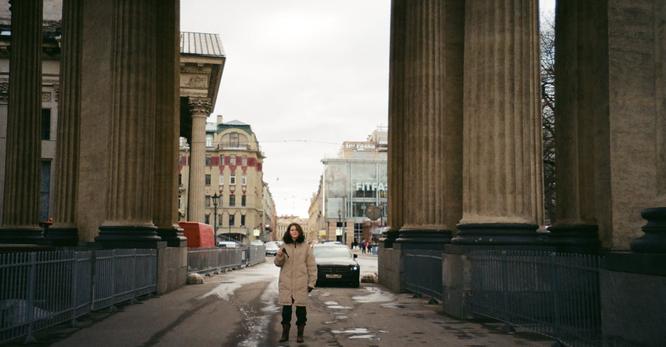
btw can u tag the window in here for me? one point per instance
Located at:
(232, 179)
(232, 160)
(46, 124)
(244, 161)
(180, 179)
(232, 200)
(244, 180)
(207, 180)
(234, 140)
(208, 201)
(209, 140)
(221, 179)
(243, 200)
(44, 189)
(242, 220)
(232, 220)
(207, 219)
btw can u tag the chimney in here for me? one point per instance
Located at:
(219, 119)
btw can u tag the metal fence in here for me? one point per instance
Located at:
(207, 260)
(122, 275)
(554, 294)
(256, 255)
(42, 289)
(204, 260)
(427, 280)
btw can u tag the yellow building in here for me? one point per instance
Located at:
(234, 186)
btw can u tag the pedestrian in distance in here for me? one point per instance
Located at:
(298, 276)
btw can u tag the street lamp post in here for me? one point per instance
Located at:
(216, 200)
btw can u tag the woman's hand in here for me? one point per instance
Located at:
(279, 252)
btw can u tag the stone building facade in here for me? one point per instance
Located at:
(232, 174)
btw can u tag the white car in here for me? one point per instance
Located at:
(227, 244)
(272, 248)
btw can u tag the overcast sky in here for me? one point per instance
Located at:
(305, 74)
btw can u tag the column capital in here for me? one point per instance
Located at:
(200, 106)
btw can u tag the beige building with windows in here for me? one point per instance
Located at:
(233, 181)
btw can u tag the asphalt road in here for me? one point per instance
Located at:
(239, 309)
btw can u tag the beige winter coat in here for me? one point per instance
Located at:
(298, 272)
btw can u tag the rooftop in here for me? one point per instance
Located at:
(205, 44)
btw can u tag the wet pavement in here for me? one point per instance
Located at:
(239, 309)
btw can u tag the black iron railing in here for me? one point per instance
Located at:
(554, 294)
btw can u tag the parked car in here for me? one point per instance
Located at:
(257, 243)
(271, 247)
(336, 265)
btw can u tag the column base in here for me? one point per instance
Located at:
(390, 237)
(65, 235)
(16, 234)
(498, 234)
(173, 236)
(415, 235)
(574, 237)
(128, 236)
(654, 240)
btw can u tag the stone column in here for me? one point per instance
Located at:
(168, 127)
(396, 125)
(129, 212)
(654, 240)
(581, 102)
(21, 194)
(200, 108)
(430, 108)
(64, 231)
(502, 191)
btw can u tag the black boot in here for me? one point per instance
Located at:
(299, 337)
(285, 332)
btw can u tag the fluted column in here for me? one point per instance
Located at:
(502, 196)
(168, 126)
(200, 108)
(21, 193)
(654, 239)
(396, 203)
(64, 231)
(579, 99)
(129, 213)
(431, 115)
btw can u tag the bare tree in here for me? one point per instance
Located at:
(548, 114)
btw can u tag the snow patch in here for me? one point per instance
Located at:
(330, 303)
(339, 307)
(370, 336)
(351, 331)
(233, 280)
(376, 295)
(392, 305)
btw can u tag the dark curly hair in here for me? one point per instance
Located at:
(287, 236)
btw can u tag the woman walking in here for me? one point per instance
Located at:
(298, 276)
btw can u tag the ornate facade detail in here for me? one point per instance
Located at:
(199, 81)
(200, 106)
(46, 96)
